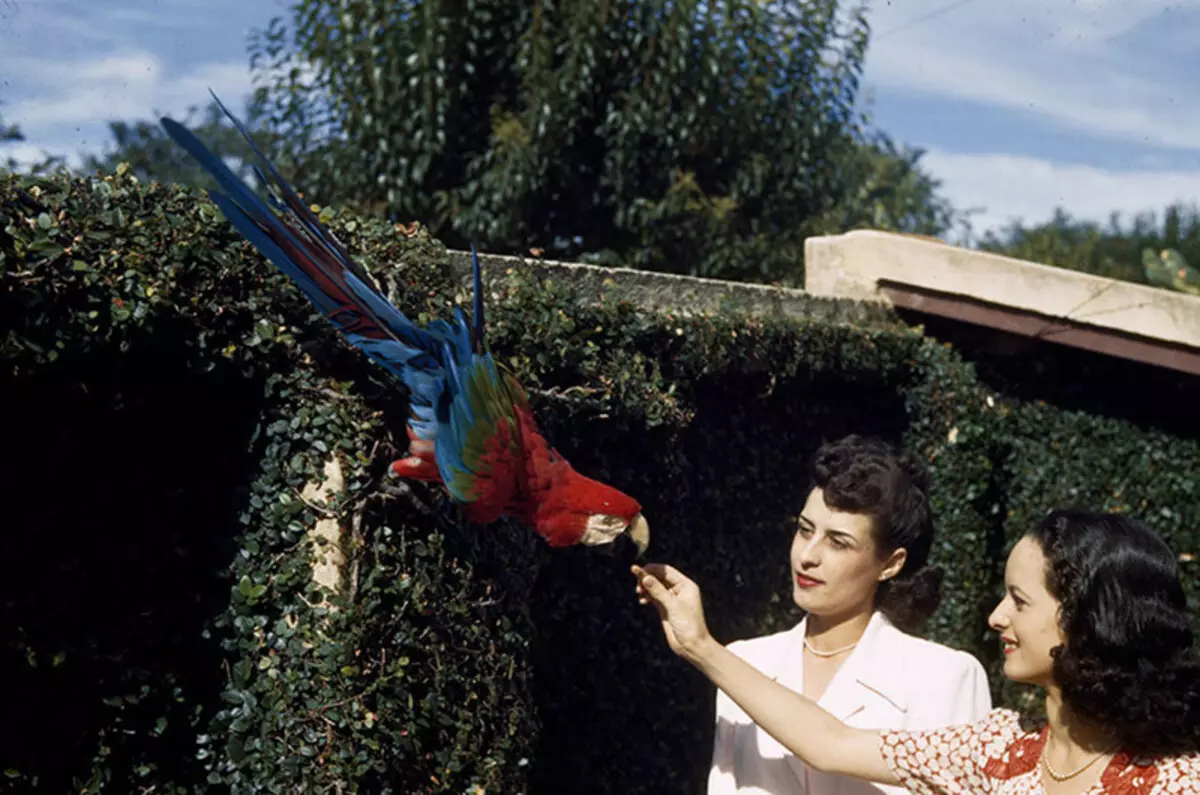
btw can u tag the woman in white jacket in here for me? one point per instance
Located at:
(860, 574)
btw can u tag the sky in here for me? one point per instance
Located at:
(1022, 106)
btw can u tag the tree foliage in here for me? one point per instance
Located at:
(1117, 249)
(705, 138)
(888, 189)
(9, 133)
(708, 138)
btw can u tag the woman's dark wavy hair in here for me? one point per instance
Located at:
(1129, 663)
(866, 475)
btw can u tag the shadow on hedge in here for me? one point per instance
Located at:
(1073, 379)
(124, 477)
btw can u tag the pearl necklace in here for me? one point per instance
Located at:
(808, 645)
(1054, 774)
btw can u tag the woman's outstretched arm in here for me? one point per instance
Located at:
(812, 734)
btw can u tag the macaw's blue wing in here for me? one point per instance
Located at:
(445, 367)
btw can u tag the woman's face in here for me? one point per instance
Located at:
(1028, 617)
(835, 566)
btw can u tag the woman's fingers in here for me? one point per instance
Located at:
(665, 573)
(650, 585)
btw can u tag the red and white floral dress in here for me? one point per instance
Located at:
(997, 757)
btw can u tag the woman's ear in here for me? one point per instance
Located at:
(895, 563)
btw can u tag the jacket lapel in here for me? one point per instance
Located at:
(871, 677)
(871, 672)
(789, 665)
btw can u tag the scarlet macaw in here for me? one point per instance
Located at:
(470, 426)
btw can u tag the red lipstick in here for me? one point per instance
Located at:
(804, 581)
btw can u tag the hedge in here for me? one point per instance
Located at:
(175, 397)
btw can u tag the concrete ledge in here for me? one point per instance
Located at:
(328, 568)
(1107, 315)
(683, 294)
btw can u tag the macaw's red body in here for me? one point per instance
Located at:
(471, 428)
(536, 486)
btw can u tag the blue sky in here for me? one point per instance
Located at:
(1022, 105)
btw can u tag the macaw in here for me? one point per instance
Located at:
(470, 426)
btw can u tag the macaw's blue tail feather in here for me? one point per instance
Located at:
(454, 387)
(295, 241)
(477, 332)
(290, 198)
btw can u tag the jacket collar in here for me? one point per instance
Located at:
(873, 667)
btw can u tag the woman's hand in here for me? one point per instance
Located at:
(677, 600)
(808, 731)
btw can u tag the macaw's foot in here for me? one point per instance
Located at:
(416, 468)
(401, 489)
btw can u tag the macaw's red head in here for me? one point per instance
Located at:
(579, 510)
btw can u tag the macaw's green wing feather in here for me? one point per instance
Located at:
(481, 441)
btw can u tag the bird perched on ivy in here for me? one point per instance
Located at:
(470, 427)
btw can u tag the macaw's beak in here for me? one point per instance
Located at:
(639, 533)
(629, 543)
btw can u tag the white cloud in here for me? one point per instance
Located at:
(80, 97)
(27, 154)
(1079, 63)
(1011, 187)
(1081, 24)
(72, 67)
(123, 86)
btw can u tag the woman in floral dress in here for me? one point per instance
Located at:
(1094, 613)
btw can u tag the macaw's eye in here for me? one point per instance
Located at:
(610, 521)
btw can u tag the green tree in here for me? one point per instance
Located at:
(9, 133)
(698, 137)
(888, 189)
(1114, 249)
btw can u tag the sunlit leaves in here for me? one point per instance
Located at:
(705, 138)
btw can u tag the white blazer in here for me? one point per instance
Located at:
(890, 681)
